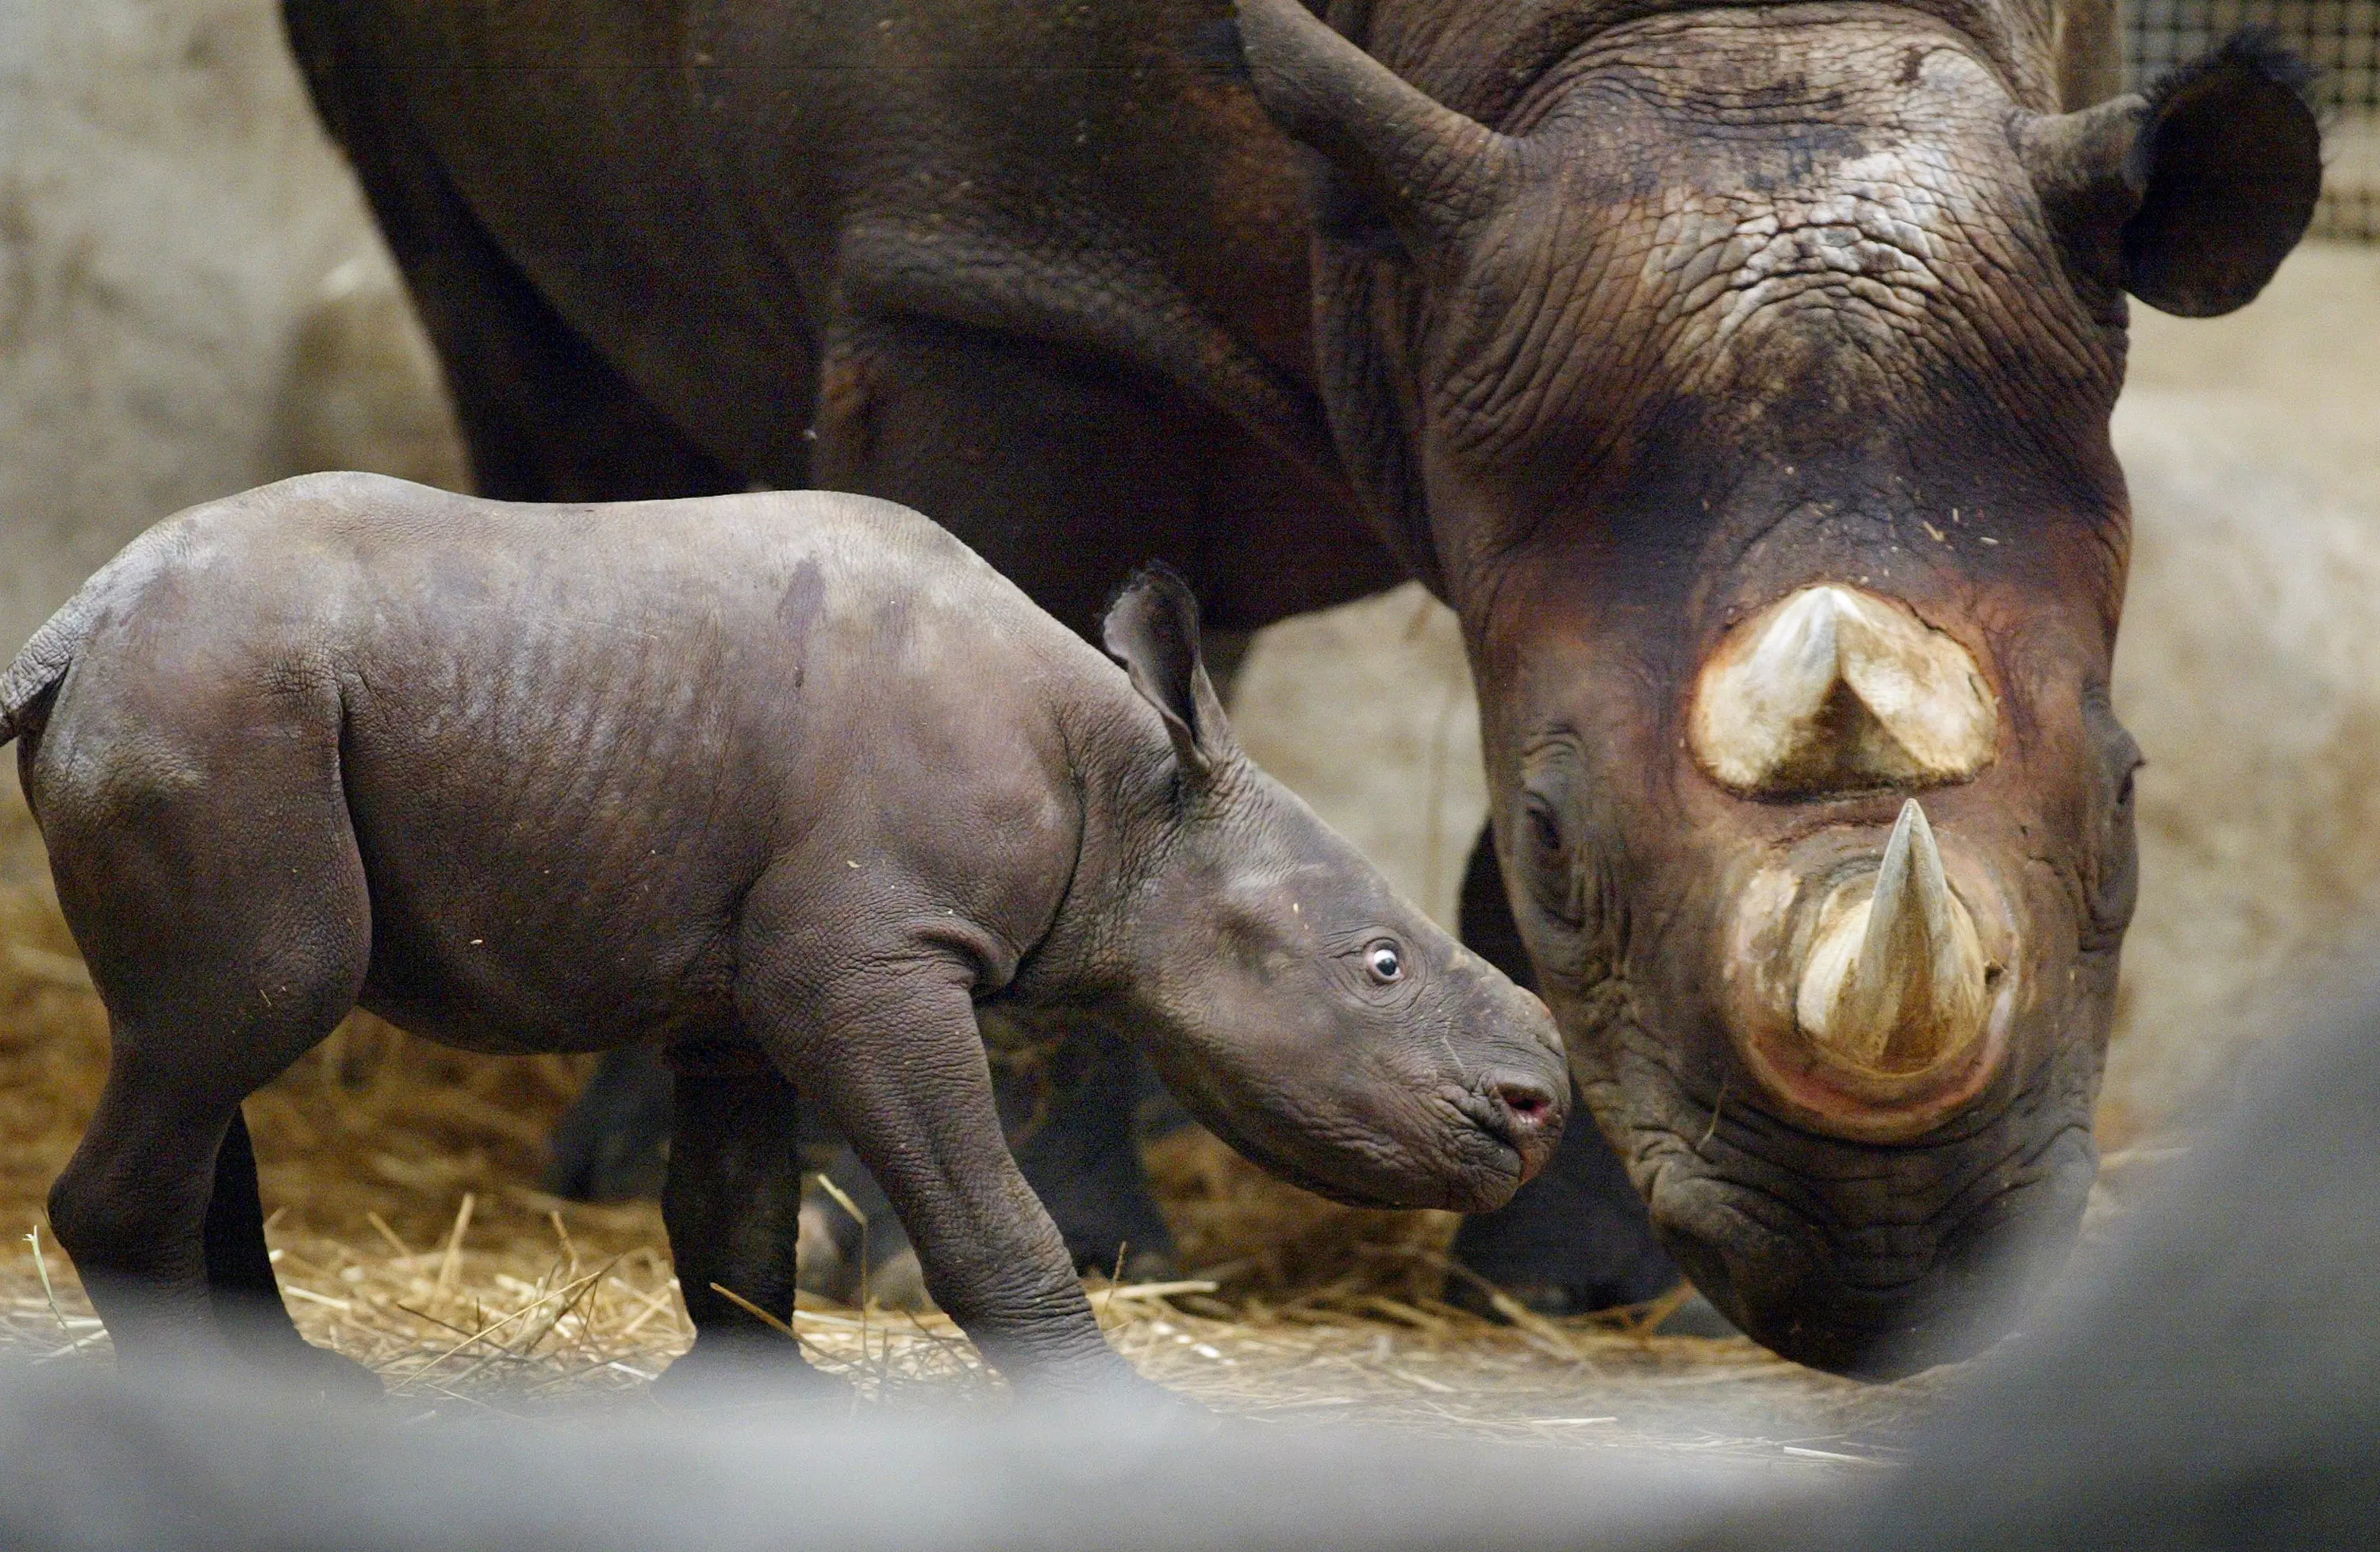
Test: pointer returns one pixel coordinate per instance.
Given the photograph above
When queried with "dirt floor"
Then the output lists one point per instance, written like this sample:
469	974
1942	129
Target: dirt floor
409	1234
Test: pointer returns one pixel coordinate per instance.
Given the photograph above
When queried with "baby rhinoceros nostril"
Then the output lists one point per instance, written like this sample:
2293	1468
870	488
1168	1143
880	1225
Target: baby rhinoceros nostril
1528	1104
1527	1116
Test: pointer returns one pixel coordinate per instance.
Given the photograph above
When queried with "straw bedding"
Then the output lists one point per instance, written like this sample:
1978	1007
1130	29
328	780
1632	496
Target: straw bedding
408	1234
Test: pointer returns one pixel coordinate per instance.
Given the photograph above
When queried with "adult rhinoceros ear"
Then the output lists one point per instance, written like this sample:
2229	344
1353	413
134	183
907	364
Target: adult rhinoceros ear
2195	192
1152	629
1429	170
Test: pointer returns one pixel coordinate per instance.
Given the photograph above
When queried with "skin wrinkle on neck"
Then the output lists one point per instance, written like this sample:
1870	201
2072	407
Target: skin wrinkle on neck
1070	896
1121	836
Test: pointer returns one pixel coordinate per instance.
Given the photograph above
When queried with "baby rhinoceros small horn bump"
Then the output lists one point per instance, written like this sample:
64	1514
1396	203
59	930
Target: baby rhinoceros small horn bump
1833	689
1895	984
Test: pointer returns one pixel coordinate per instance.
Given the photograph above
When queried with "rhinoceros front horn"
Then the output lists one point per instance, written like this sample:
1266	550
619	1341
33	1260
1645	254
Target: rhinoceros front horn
1432	172
1895	984
1837	690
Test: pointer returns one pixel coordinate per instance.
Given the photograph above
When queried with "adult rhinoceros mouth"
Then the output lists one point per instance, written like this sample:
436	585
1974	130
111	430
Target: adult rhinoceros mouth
1819	1284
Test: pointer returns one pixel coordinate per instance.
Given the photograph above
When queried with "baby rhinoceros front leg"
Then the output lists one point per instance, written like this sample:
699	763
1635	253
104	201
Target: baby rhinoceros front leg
891	1038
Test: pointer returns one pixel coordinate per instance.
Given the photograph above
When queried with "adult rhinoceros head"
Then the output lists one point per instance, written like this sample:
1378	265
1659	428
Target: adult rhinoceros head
1742	378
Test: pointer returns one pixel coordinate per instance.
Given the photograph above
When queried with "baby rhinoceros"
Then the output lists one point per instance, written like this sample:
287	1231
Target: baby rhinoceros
791	782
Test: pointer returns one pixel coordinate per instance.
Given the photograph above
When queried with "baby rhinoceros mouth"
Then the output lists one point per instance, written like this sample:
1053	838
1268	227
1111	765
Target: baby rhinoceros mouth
1514	1120
1464	1141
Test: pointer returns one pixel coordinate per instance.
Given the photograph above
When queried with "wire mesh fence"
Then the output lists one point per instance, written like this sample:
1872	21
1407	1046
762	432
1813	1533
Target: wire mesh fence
2340	38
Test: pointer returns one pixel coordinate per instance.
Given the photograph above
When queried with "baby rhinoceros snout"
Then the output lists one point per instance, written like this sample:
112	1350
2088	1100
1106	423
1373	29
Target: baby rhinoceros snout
1517	1093
1525	1113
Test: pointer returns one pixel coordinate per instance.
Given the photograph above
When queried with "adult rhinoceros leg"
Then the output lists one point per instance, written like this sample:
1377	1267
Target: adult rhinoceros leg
607	1146
1070	1113
1576	1238
544	416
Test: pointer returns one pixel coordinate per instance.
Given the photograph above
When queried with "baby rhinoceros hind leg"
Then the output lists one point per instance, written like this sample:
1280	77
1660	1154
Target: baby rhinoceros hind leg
205	863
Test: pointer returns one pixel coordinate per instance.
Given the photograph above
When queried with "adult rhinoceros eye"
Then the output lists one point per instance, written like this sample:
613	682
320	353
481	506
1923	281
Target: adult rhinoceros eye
1384	963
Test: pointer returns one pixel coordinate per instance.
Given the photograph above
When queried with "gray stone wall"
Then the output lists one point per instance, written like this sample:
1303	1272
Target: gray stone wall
189	286
2249	666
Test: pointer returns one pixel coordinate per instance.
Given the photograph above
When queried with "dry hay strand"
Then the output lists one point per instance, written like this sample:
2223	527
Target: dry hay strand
529	1327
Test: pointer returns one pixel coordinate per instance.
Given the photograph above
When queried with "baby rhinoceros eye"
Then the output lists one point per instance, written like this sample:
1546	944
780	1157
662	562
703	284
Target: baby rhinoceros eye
1384	963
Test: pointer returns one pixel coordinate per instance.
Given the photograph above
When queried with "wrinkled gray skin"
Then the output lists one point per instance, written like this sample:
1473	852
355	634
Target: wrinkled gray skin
1613	322
794	782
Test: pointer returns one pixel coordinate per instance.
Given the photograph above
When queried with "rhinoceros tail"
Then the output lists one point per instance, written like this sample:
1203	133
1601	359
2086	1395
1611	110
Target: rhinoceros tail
31	681
27	687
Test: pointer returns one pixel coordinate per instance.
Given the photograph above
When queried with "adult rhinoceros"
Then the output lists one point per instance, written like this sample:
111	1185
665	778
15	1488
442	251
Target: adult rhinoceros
1740	374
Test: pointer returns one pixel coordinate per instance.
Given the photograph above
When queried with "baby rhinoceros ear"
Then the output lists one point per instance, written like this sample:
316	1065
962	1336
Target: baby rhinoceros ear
1152	629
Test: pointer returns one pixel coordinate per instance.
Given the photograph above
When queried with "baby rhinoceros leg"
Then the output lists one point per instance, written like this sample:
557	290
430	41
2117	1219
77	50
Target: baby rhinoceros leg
733	1208
204	860
887	1030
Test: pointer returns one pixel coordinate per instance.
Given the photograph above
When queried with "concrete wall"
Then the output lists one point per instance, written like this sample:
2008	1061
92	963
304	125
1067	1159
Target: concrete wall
2249	666
170	216
192	301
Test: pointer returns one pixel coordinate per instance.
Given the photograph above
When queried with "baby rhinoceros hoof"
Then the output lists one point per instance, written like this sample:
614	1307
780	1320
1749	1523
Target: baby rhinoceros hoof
320	1375
723	1370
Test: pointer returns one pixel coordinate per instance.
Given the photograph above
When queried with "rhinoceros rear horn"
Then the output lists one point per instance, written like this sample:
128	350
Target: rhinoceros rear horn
2196	190
1152	629
1429	171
